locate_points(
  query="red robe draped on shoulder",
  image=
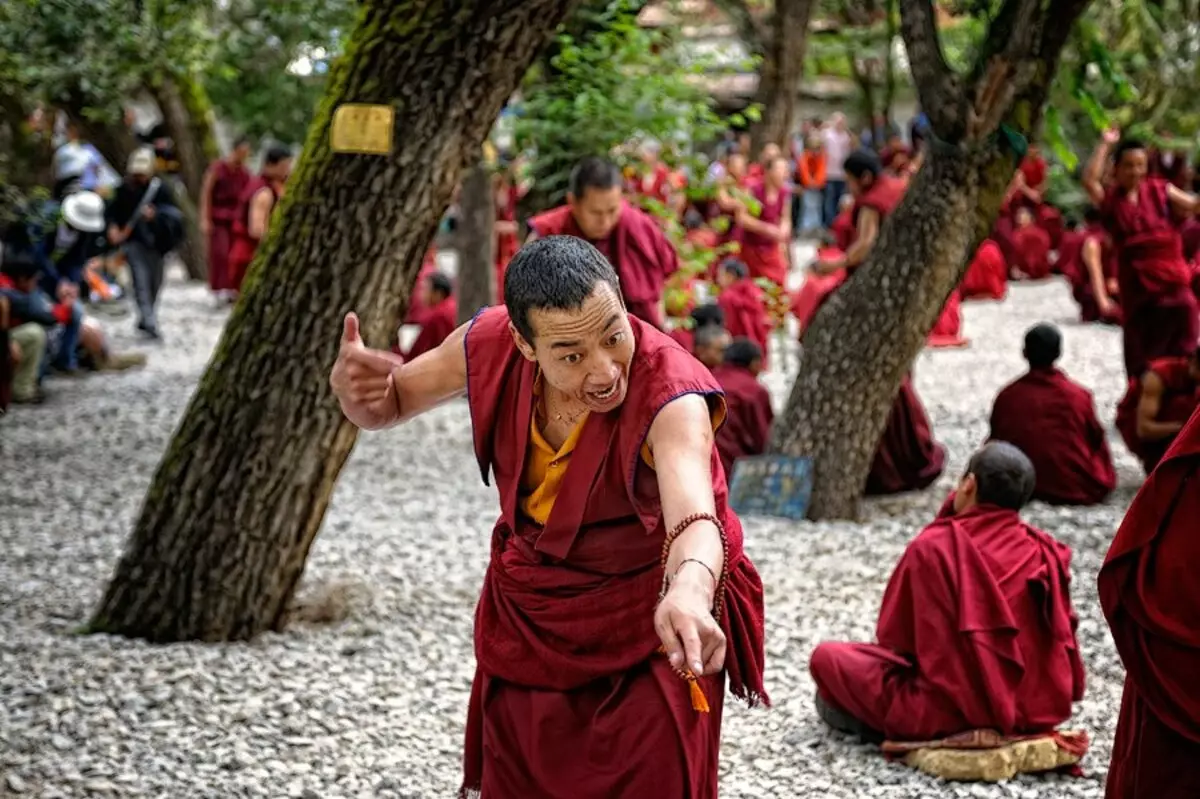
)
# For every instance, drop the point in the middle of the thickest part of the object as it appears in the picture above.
(438, 322)
(1179, 401)
(908, 458)
(569, 697)
(976, 631)
(1148, 590)
(765, 256)
(987, 276)
(241, 251)
(747, 428)
(1158, 308)
(1031, 252)
(1052, 419)
(637, 248)
(746, 313)
(229, 181)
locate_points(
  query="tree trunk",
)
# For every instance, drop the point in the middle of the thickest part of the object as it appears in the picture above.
(864, 340)
(241, 491)
(476, 242)
(781, 72)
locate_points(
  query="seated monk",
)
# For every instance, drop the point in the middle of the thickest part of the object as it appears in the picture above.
(1052, 419)
(976, 629)
(627, 236)
(987, 276)
(743, 303)
(1148, 593)
(440, 317)
(710, 345)
(842, 226)
(907, 458)
(417, 304)
(808, 299)
(947, 330)
(1031, 248)
(618, 600)
(701, 316)
(747, 427)
(876, 194)
(1156, 407)
(1093, 272)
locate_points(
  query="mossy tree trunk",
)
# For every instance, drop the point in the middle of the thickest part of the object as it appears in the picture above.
(866, 337)
(242, 488)
(476, 242)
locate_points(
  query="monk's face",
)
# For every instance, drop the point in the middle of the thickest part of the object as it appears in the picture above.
(769, 153)
(1130, 169)
(713, 355)
(241, 153)
(859, 185)
(584, 353)
(777, 171)
(597, 211)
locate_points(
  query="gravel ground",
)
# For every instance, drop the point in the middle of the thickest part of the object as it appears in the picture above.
(375, 705)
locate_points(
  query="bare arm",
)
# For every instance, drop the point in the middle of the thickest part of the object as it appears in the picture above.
(1148, 426)
(210, 178)
(434, 378)
(260, 213)
(1093, 174)
(1183, 201)
(1092, 259)
(866, 233)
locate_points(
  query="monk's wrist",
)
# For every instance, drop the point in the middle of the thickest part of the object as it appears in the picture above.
(696, 580)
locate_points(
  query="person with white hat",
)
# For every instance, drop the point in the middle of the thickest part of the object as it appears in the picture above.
(78, 238)
(144, 220)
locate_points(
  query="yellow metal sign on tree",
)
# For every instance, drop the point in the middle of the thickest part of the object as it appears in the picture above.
(361, 128)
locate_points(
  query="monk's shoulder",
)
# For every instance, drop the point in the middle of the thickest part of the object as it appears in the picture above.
(550, 223)
(488, 334)
(932, 548)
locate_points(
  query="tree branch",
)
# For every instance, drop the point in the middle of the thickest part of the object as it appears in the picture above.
(938, 86)
(750, 28)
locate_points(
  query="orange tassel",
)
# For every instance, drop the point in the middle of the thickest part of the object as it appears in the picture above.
(699, 703)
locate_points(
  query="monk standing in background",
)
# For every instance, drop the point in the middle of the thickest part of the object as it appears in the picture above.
(254, 211)
(220, 198)
(747, 429)
(1052, 419)
(628, 237)
(765, 236)
(976, 631)
(743, 303)
(440, 316)
(1158, 308)
(506, 193)
(1156, 406)
(1148, 592)
(615, 541)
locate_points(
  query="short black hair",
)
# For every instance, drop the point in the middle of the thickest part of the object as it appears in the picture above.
(1043, 345)
(708, 335)
(19, 262)
(743, 352)
(555, 273)
(862, 162)
(593, 173)
(693, 219)
(708, 314)
(1127, 146)
(735, 267)
(1003, 474)
(439, 281)
(276, 153)
(1092, 215)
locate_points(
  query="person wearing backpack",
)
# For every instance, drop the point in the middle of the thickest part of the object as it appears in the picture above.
(145, 222)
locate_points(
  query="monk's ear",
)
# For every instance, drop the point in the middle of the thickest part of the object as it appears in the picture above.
(525, 348)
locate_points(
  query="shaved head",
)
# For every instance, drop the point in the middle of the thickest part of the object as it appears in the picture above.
(1003, 474)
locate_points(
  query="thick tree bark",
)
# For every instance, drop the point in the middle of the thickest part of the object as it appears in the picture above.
(476, 242)
(866, 337)
(241, 491)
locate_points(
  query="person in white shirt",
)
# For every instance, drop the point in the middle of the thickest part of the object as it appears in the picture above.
(838, 146)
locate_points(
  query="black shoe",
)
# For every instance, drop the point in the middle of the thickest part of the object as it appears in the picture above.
(842, 721)
(149, 331)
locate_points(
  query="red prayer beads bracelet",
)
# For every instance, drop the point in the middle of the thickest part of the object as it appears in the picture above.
(678, 530)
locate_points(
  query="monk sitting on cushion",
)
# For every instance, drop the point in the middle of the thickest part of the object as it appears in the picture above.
(1053, 420)
(1031, 248)
(976, 629)
(618, 600)
(1156, 407)
(440, 317)
(1148, 592)
(747, 427)
(743, 303)
(710, 346)
(987, 276)
(627, 236)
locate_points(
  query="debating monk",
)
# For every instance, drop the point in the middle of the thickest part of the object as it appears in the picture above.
(1052, 419)
(976, 629)
(1148, 592)
(1157, 405)
(618, 599)
(747, 429)
(628, 237)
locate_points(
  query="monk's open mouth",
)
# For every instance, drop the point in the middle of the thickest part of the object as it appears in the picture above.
(607, 393)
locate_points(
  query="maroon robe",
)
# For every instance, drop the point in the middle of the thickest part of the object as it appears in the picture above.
(570, 697)
(1031, 252)
(245, 245)
(637, 248)
(976, 632)
(1148, 590)
(908, 458)
(747, 427)
(438, 322)
(746, 313)
(1158, 307)
(763, 255)
(1053, 420)
(1081, 279)
(808, 299)
(224, 200)
(843, 230)
(1178, 403)
(947, 330)
(507, 244)
(987, 276)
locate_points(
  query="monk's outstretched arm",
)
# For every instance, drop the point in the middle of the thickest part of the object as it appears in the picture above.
(1183, 201)
(866, 232)
(1093, 174)
(681, 442)
(1148, 426)
(1092, 255)
(210, 179)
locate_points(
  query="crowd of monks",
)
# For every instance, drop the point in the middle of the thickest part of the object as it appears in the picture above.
(583, 633)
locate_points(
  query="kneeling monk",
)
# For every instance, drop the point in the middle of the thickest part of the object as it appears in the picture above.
(1156, 407)
(615, 540)
(1052, 419)
(628, 237)
(976, 629)
(1148, 592)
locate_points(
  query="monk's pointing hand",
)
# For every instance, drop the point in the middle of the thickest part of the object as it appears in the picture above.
(685, 624)
(363, 380)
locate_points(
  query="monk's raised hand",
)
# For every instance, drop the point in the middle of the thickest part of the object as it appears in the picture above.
(1112, 136)
(363, 380)
(689, 633)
